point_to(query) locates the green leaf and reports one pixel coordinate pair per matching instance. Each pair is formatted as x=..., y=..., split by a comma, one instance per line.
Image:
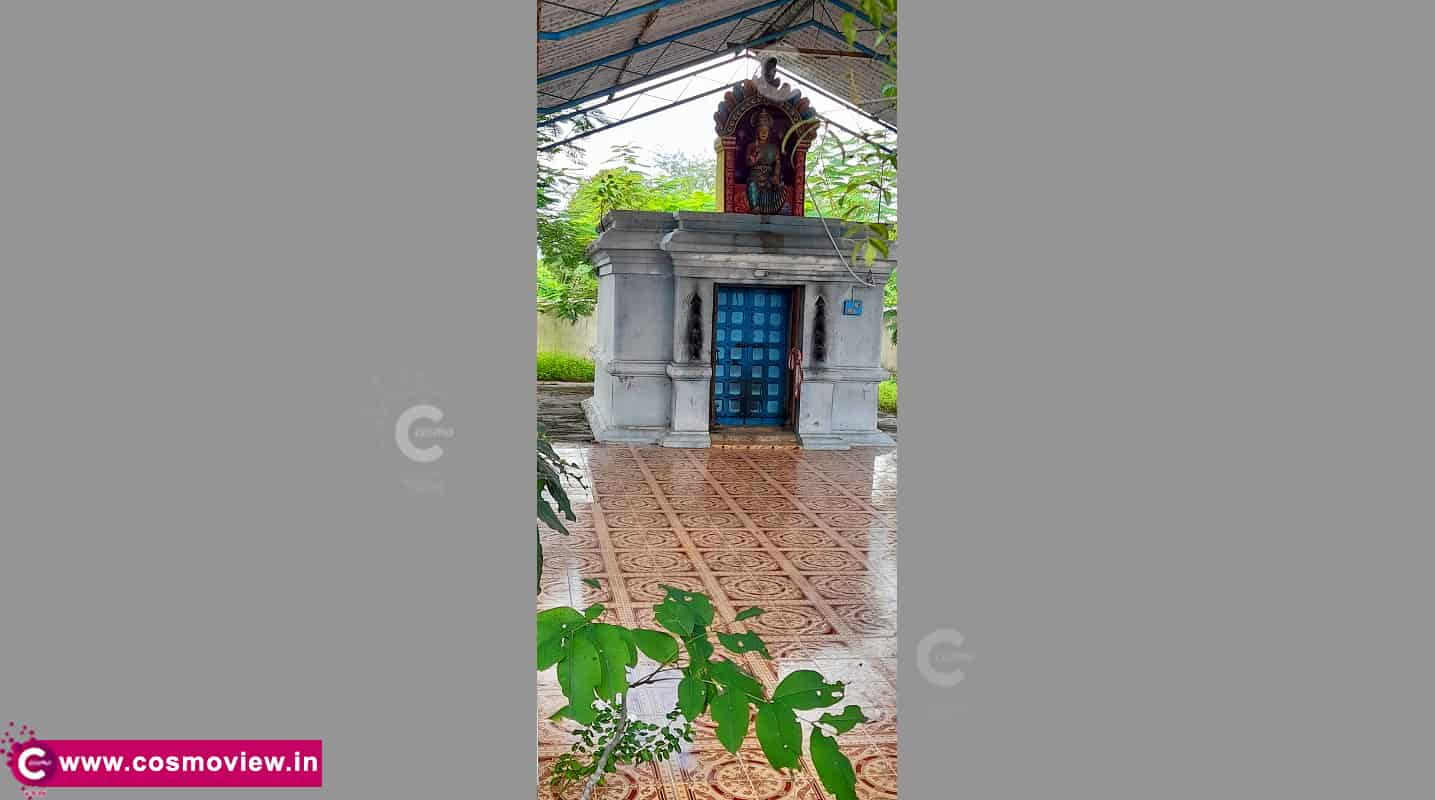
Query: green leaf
x=731, y=677
x=675, y=617
x=656, y=645
x=729, y=710
x=554, y=627
x=780, y=735
x=806, y=689
x=631, y=645
x=697, y=602
x=692, y=697
x=585, y=673
x=594, y=611
x=561, y=713
x=611, y=643
x=845, y=721
x=593, y=582
x=833, y=768
x=744, y=643
x=748, y=613
x=545, y=513
x=700, y=650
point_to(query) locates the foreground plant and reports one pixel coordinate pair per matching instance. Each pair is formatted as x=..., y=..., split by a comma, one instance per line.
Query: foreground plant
x=593, y=659
x=552, y=472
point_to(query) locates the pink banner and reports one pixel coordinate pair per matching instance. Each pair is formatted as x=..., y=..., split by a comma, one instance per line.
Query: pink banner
x=162, y=763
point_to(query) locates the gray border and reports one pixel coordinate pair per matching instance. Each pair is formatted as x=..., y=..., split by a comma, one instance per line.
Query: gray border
x=230, y=231
x=1166, y=398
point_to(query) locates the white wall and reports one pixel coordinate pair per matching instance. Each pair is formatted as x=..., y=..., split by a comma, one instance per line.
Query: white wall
x=574, y=338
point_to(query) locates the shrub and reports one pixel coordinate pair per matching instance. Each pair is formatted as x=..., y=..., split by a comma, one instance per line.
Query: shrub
x=563, y=367
x=887, y=395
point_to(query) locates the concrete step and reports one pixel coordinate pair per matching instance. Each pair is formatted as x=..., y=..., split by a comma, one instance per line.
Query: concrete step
x=755, y=438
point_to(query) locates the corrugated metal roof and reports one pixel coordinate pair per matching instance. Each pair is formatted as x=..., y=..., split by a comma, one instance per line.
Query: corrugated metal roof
x=590, y=49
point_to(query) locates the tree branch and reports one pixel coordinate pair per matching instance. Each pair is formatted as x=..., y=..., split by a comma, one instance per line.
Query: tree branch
x=607, y=751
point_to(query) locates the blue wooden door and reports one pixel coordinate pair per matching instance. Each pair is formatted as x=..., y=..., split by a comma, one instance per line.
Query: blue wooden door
x=750, y=355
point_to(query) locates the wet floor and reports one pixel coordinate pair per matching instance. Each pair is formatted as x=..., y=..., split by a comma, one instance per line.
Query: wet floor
x=811, y=536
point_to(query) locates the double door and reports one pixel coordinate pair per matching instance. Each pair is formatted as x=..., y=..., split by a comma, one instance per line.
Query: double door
x=751, y=331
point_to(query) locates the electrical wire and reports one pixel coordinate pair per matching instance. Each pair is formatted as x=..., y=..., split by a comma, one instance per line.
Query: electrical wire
x=833, y=239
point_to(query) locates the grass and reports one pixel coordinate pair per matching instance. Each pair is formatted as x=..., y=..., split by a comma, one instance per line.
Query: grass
x=563, y=367
x=887, y=395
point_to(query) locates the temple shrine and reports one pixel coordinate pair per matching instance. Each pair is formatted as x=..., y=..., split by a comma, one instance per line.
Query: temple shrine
x=750, y=319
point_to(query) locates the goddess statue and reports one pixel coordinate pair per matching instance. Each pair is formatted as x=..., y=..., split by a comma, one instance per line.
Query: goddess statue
x=765, y=192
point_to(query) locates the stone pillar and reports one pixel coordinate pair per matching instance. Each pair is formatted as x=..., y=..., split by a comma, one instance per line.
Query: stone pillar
x=632, y=393
x=691, y=366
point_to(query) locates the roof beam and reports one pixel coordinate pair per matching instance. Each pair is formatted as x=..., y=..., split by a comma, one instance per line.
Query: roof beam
x=567, y=115
x=637, y=40
x=843, y=37
x=817, y=51
x=648, y=113
x=563, y=73
x=801, y=81
x=603, y=22
x=771, y=37
x=853, y=11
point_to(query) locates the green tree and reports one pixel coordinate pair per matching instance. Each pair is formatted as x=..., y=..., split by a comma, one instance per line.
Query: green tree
x=690, y=173
x=566, y=285
x=854, y=178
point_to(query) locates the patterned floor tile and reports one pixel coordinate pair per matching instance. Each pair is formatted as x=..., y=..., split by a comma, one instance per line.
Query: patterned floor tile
x=808, y=536
x=645, y=539
x=654, y=561
x=759, y=587
x=720, y=538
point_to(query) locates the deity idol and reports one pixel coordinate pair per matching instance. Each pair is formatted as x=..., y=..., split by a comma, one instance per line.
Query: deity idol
x=765, y=192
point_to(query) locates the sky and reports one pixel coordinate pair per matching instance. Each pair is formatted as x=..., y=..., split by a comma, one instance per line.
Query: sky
x=689, y=128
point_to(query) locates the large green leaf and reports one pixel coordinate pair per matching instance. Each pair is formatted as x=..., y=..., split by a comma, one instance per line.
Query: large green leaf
x=697, y=602
x=845, y=721
x=611, y=642
x=731, y=677
x=692, y=697
x=656, y=645
x=780, y=735
x=805, y=689
x=729, y=710
x=833, y=768
x=683, y=612
x=554, y=627
x=676, y=617
x=585, y=674
x=744, y=643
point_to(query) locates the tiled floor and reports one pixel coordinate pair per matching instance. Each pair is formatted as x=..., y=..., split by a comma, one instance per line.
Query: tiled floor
x=811, y=536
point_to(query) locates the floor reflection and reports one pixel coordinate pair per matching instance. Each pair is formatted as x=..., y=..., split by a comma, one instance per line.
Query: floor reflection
x=811, y=536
